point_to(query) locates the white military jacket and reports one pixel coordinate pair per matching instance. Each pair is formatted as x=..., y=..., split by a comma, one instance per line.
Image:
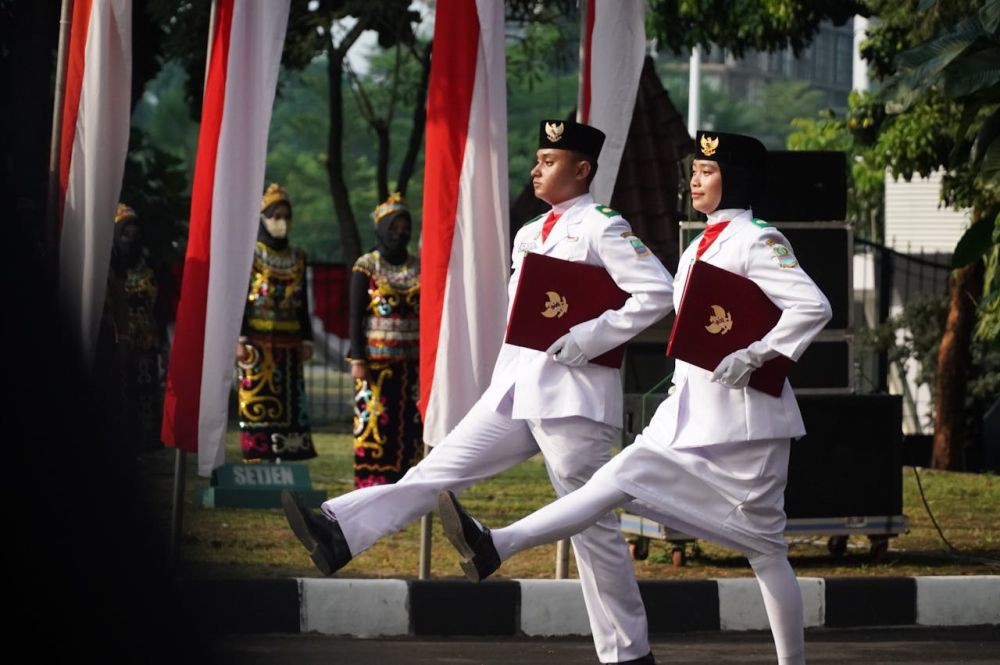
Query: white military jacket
x=542, y=388
x=702, y=412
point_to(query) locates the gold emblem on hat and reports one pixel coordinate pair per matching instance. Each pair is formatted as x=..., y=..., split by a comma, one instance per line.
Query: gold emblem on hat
x=554, y=131
x=709, y=145
x=720, y=322
x=556, y=307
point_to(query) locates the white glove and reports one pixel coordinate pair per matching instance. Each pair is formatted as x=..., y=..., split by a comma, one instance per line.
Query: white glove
x=735, y=369
x=567, y=352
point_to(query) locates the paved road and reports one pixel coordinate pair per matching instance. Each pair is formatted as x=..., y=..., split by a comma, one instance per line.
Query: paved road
x=906, y=645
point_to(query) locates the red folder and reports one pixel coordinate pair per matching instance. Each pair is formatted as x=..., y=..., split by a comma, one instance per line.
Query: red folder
x=553, y=295
x=722, y=312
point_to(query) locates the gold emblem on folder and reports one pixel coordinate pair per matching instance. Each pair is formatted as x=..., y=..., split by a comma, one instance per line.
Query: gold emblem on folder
x=554, y=130
x=556, y=307
x=720, y=322
x=709, y=145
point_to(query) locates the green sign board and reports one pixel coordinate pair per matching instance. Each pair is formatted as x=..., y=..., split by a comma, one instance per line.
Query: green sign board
x=257, y=486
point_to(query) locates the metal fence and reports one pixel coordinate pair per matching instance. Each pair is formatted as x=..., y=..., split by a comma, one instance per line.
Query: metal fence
x=329, y=385
x=886, y=281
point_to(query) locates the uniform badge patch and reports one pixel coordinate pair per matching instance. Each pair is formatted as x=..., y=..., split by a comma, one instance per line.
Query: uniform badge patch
x=782, y=254
x=640, y=248
x=607, y=212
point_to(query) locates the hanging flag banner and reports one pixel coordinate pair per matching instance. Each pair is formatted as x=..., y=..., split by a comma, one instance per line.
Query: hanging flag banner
x=612, y=48
x=93, y=144
x=244, y=53
x=465, y=261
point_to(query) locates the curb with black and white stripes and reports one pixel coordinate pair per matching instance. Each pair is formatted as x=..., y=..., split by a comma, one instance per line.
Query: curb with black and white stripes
x=392, y=607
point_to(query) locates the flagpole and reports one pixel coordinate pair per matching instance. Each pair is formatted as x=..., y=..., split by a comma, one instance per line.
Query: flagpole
x=694, y=91
x=52, y=194
x=177, y=514
x=180, y=456
x=426, y=522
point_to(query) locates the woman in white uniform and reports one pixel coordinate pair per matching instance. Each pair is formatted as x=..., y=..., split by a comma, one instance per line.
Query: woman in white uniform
x=713, y=461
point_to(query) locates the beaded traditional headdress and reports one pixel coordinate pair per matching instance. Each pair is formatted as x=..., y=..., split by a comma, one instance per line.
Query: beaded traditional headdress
x=392, y=205
x=124, y=213
x=274, y=194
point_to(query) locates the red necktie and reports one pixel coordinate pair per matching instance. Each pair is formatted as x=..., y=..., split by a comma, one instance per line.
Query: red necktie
x=711, y=233
x=550, y=221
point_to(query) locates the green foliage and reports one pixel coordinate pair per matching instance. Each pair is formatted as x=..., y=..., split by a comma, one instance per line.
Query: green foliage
x=185, y=28
x=769, y=119
x=921, y=140
x=941, y=65
x=162, y=114
x=544, y=50
x=974, y=243
x=154, y=185
x=297, y=159
x=988, y=325
x=865, y=182
x=915, y=335
x=740, y=25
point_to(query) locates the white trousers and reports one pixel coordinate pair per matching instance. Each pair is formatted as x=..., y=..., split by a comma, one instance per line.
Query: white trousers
x=721, y=493
x=486, y=443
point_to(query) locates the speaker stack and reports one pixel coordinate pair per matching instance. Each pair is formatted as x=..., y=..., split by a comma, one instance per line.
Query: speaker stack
x=844, y=476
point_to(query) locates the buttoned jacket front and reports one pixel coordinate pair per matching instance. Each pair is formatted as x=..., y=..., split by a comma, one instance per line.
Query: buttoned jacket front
x=702, y=412
x=592, y=234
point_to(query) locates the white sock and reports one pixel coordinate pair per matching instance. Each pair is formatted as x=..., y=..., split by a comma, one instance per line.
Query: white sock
x=560, y=519
x=783, y=602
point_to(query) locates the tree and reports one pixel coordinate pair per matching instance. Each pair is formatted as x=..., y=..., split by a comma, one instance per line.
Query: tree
x=940, y=109
x=739, y=26
x=865, y=168
x=312, y=34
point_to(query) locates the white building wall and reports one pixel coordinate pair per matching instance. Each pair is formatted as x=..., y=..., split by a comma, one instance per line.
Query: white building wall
x=914, y=220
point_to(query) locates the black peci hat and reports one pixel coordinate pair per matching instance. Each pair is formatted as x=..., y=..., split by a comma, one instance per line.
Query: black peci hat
x=732, y=149
x=569, y=135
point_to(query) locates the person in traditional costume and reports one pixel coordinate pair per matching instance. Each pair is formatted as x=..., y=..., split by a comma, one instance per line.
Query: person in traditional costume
x=275, y=341
x=385, y=351
x=134, y=327
x=713, y=461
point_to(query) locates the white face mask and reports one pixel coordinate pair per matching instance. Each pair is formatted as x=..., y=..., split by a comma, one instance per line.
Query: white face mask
x=278, y=228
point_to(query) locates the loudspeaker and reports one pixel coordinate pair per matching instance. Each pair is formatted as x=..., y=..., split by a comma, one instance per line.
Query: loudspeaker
x=849, y=463
x=826, y=365
x=802, y=185
x=825, y=252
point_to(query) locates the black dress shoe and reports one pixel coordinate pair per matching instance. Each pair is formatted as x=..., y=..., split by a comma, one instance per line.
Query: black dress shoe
x=645, y=660
x=473, y=541
x=320, y=535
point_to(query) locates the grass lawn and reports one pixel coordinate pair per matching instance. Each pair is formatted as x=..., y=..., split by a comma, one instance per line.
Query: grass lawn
x=257, y=543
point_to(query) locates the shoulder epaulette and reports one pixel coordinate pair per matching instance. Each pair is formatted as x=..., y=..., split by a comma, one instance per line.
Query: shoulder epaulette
x=606, y=211
x=760, y=223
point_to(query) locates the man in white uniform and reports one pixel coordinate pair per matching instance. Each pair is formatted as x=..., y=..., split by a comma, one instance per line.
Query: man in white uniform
x=553, y=402
x=714, y=459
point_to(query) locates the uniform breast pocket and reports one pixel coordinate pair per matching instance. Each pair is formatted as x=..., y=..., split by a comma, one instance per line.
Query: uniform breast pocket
x=571, y=250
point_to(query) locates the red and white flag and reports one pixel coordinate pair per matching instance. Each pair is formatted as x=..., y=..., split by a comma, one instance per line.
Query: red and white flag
x=612, y=48
x=93, y=145
x=244, y=53
x=465, y=253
